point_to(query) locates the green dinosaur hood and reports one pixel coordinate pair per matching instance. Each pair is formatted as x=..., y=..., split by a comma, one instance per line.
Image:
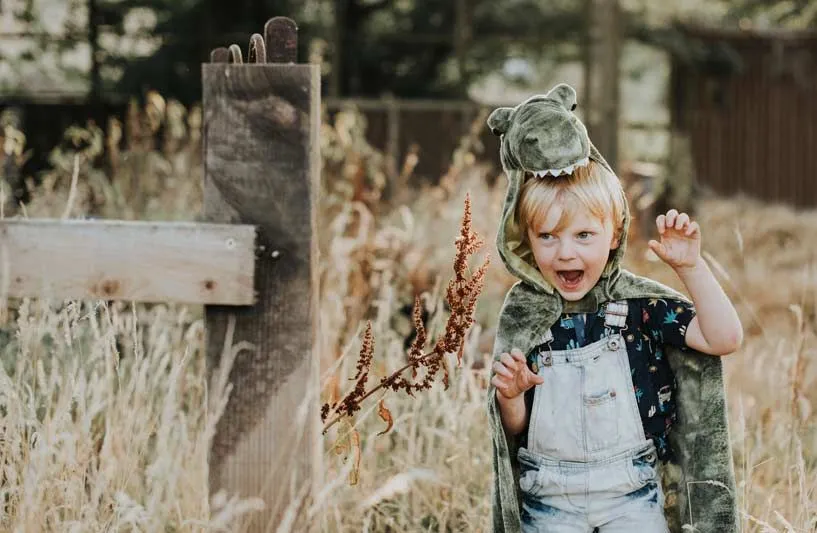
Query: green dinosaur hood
x=542, y=138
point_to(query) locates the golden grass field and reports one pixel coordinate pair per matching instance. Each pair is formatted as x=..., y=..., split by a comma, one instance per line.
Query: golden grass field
x=106, y=415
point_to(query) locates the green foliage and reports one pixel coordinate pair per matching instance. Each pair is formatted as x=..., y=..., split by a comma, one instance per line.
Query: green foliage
x=408, y=48
x=404, y=47
x=415, y=48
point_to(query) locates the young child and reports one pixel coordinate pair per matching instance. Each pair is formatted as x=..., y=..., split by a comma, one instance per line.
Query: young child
x=584, y=393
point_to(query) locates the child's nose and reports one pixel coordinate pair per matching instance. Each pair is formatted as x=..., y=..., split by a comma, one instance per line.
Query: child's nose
x=566, y=250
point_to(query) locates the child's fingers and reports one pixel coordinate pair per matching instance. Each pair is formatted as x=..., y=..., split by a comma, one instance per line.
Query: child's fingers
x=660, y=221
x=693, y=229
x=508, y=361
x=681, y=221
x=537, y=379
x=498, y=383
x=501, y=370
x=519, y=356
x=672, y=214
x=659, y=249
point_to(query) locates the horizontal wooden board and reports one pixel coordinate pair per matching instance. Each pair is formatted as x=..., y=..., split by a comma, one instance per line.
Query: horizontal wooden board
x=185, y=262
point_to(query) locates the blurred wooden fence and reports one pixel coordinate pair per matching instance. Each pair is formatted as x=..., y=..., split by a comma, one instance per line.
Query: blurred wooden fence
x=430, y=129
x=253, y=266
x=754, y=131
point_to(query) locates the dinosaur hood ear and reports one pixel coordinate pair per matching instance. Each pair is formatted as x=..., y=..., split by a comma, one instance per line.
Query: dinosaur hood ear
x=500, y=120
x=565, y=94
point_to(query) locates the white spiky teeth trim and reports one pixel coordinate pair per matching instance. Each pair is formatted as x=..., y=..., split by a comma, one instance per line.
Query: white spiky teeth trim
x=559, y=171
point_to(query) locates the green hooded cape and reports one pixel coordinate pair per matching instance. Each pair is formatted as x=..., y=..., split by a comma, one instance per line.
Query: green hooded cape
x=542, y=134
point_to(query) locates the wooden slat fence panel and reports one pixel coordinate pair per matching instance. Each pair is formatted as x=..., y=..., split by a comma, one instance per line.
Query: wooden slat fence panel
x=754, y=131
x=119, y=260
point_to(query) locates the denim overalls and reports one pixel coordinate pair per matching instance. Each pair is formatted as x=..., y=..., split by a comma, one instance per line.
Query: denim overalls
x=587, y=463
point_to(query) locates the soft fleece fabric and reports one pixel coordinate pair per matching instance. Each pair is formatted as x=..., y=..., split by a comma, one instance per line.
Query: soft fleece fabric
x=540, y=134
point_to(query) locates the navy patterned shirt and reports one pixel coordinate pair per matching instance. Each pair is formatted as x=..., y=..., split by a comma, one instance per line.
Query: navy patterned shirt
x=651, y=325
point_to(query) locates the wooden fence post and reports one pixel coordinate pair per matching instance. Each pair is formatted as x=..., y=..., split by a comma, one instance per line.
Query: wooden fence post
x=261, y=150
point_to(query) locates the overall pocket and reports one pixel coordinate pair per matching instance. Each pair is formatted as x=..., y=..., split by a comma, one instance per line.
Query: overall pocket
x=537, y=480
x=601, y=417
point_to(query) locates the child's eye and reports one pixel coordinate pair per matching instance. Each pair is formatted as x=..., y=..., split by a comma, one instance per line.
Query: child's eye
x=585, y=234
x=545, y=236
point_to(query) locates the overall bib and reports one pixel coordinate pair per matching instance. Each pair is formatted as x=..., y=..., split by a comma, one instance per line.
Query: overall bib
x=587, y=464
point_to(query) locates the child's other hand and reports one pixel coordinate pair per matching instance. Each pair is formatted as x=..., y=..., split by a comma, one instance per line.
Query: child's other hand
x=680, y=245
x=512, y=376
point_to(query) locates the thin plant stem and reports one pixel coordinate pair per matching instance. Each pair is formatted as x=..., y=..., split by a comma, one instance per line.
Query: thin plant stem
x=383, y=382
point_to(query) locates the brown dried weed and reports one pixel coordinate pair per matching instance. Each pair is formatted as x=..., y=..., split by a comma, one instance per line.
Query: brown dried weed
x=461, y=294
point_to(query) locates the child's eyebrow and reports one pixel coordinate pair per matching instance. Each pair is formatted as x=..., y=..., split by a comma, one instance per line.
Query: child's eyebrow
x=549, y=232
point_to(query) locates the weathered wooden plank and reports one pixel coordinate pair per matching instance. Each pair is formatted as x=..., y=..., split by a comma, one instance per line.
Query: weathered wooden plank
x=235, y=54
x=220, y=55
x=281, y=35
x=118, y=260
x=262, y=168
x=258, y=49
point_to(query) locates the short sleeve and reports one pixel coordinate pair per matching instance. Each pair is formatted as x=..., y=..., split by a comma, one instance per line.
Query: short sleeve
x=666, y=320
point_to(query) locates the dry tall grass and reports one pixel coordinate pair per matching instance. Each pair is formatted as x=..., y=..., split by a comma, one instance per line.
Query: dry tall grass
x=106, y=416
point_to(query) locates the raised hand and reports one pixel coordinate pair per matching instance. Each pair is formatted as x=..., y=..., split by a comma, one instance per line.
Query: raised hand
x=512, y=376
x=680, y=245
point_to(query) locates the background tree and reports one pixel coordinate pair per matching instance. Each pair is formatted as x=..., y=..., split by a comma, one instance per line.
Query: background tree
x=408, y=48
x=437, y=48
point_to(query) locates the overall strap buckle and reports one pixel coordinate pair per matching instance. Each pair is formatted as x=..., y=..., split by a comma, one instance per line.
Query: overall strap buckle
x=547, y=358
x=615, y=314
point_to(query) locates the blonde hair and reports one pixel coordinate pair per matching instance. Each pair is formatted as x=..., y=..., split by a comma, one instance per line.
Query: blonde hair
x=591, y=187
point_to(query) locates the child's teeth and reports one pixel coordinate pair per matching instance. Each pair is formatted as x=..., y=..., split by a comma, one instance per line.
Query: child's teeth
x=564, y=279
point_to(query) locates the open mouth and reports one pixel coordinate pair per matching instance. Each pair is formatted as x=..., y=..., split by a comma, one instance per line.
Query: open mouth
x=570, y=278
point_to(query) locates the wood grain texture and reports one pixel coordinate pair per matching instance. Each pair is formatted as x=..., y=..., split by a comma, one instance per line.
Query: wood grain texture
x=262, y=168
x=281, y=35
x=136, y=261
x=257, y=50
x=220, y=55
x=235, y=54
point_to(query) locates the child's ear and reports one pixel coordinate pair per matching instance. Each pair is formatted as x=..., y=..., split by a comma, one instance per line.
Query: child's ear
x=616, y=240
x=500, y=120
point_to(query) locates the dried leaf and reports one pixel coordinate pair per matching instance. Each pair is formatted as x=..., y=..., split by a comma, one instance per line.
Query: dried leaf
x=460, y=353
x=354, y=475
x=342, y=444
x=385, y=414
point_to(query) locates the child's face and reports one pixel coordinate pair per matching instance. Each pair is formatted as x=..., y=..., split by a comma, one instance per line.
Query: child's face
x=573, y=259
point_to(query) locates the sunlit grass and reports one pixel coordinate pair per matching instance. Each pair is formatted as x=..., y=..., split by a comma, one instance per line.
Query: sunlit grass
x=106, y=415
